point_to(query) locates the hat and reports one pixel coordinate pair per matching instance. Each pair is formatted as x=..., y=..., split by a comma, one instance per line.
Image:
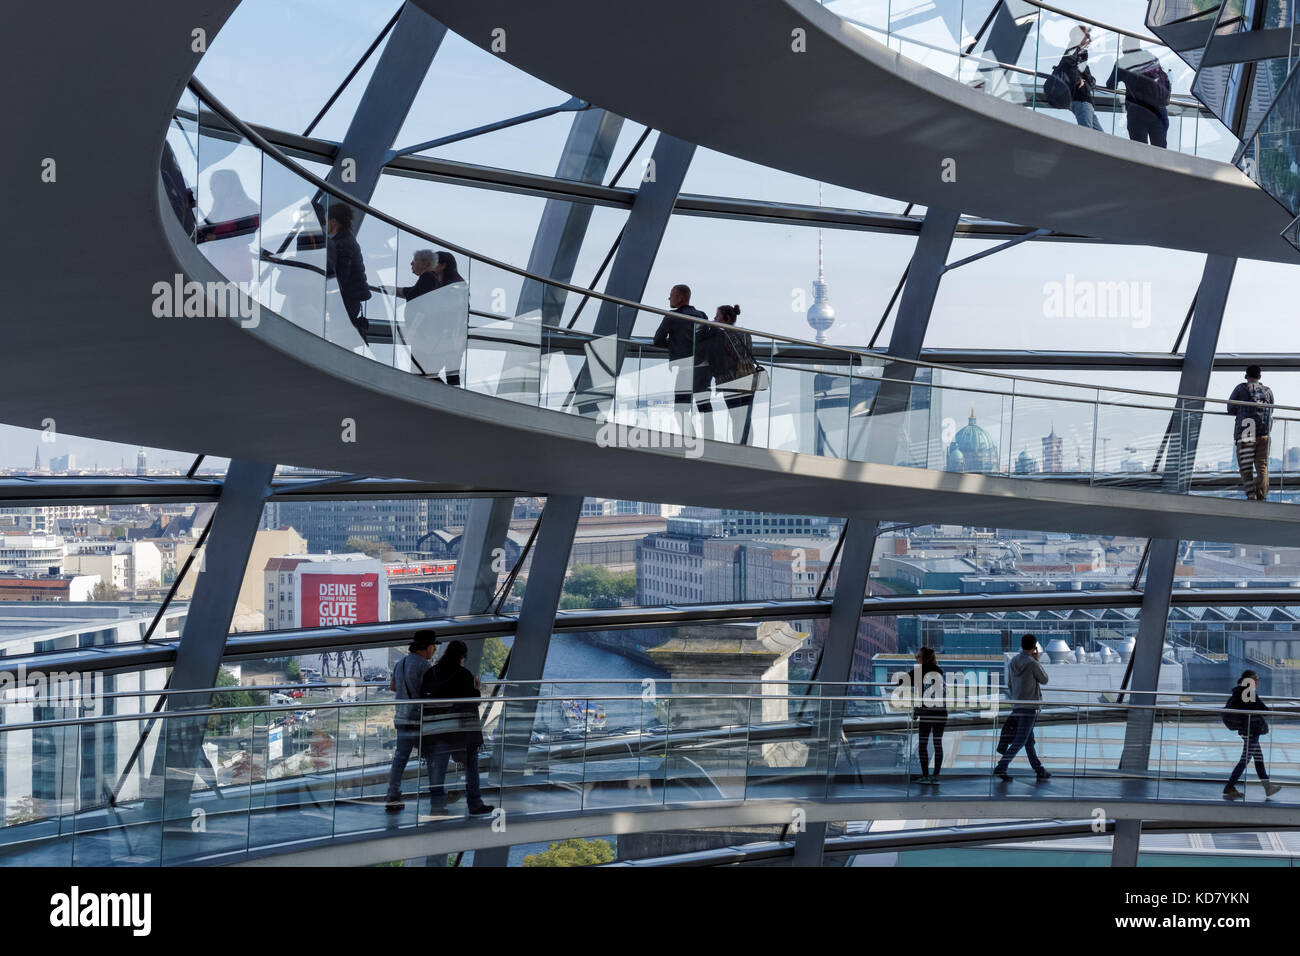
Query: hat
x=1077, y=33
x=422, y=640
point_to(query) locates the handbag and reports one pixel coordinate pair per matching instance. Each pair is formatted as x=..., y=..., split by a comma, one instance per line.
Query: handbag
x=1056, y=91
x=744, y=365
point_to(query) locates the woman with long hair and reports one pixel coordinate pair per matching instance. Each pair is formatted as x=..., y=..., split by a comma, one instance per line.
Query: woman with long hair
x=1239, y=715
x=444, y=267
x=435, y=325
x=928, y=706
x=452, y=726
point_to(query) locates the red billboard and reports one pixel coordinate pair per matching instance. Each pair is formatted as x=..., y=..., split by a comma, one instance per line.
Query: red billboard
x=328, y=599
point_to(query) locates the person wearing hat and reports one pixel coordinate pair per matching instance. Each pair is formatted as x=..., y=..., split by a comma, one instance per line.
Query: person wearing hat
x=408, y=677
x=1079, y=78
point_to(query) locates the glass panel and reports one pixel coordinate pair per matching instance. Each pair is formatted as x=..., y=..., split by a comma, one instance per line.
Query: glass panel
x=229, y=203
x=293, y=249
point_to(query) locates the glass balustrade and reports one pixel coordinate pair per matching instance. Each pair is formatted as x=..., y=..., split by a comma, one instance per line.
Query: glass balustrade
x=1008, y=48
x=667, y=383
x=85, y=789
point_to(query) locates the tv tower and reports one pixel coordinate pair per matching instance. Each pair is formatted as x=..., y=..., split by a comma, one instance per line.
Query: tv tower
x=821, y=316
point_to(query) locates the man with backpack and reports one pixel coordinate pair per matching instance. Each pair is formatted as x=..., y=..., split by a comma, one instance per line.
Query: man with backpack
x=1238, y=715
x=1252, y=402
x=1146, y=93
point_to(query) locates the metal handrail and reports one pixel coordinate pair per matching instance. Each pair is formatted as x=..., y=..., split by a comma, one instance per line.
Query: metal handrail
x=275, y=153
x=1017, y=68
x=380, y=684
x=1154, y=41
x=751, y=698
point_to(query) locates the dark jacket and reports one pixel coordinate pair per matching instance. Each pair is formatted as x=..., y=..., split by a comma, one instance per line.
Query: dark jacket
x=1258, y=726
x=451, y=725
x=1072, y=68
x=1139, y=91
x=677, y=335
x=1263, y=417
x=343, y=261
x=424, y=282
x=724, y=347
x=929, y=707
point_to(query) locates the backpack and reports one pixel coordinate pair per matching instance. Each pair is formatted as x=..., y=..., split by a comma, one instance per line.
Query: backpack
x=1161, y=90
x=1233, y=721
x=1256, y=392
x=1254, y=724
x=1148, y=85
x=1056, y=90
x=739, y=359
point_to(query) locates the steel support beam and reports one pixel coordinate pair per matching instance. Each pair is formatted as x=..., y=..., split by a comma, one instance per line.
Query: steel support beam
x=560, y=233
x=878, y=416
x=559, y=523
x=563, y=226
x=1162, y=553
x=923, y=277
x=207, y=623
x=477, y=566
x=661, y=182
x=384, y=104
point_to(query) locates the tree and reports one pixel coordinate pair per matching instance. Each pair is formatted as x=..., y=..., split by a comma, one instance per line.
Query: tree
x=494, y=658
x=370, y=548
x=404, y=611
x=596, y=586
x=105, y=591
x=292, y=670
x=169, y=574
x=223, y=723
x=572, y=853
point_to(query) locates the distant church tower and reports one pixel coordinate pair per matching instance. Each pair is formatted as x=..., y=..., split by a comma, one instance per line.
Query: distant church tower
x=821, y=316
x=37, y=466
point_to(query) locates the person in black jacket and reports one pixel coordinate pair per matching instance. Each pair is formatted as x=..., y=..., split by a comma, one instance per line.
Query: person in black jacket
x=424, y=268
x=343, y=262
x=728, y=359
x=1148, y=119
x=930, y=713
x=453, y=728
x=432, y=270
x=1079, y=78
x=1245, y=697
x=678, y=336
